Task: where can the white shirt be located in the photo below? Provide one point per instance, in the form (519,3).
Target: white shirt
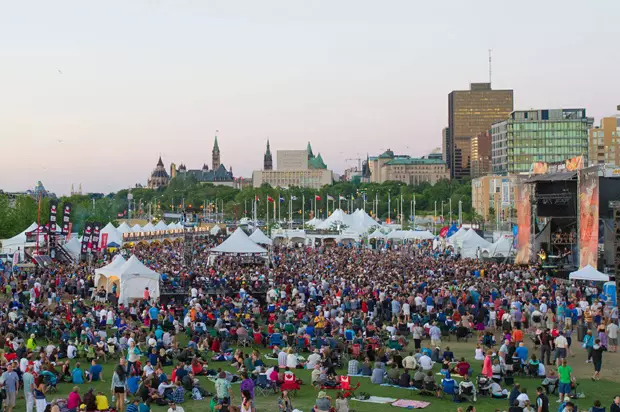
(425,362)
(148,370)
(177,409)
(71,351)
(291,361)
(612,331)
(561,342)
(522,398)
(23,364)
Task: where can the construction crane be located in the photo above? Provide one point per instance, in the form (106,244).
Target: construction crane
(359,161)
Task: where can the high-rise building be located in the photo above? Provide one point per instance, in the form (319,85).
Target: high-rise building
(530,136)
(481,154)
(604,141)
(445,146)
(268,160)
(471,112)
(495,193)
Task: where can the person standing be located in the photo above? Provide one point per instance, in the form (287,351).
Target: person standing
(542,401)
(597,359)
(561,345)
(566,379)
(11,384)
(612,336)
(28,380)
(588,344)
(119,387)
(39,395)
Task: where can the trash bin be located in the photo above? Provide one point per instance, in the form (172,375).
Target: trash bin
(581,332)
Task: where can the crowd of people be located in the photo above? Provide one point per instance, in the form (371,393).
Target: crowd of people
(380,313)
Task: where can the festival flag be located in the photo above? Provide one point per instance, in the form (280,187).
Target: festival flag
(270,199)
(281,199)
(257,198)
(330,197)
(293,197)
(342,197)
(317,197)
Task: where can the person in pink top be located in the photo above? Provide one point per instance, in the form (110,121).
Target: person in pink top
(73,400)
(487,365)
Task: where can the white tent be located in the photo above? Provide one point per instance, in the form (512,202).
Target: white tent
(421,234)
(133,277)
(376,235)
(471,245)
(215,230)
(179,225)
(114,236)
(314,222)
(171,226)
(588,273)
(458,235)
(123,228)
(149,227)
(260,238)
(17,241)
(107,280)
(239,243)
(136,228)
(161,225)
(74,248)
(502,248)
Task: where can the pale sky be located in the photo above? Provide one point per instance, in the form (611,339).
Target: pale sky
(93,92)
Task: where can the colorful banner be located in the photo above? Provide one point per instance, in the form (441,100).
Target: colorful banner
(94,240)
(540,168)
(88,230)
(588,216)
(575,163)
(104,241)
(524,222)
(66,216)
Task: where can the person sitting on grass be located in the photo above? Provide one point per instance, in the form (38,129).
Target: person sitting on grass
(102,402)
(77,374)
(431,385)
(96,372)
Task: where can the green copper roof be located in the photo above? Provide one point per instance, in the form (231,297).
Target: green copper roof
(216,147)
(268,152)
(317,163)
(388,154)
(309,149)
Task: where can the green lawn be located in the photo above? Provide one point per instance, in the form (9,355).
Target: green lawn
(304,400)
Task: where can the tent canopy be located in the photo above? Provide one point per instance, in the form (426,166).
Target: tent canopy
(215,230)
(136,228)
(123,228)
(133,277)
(11,245)
(114,236)
(471,242)
(503,247)
(588,273)
(149,227)
(239,244)
(260,238)
(74,247)
(161,225)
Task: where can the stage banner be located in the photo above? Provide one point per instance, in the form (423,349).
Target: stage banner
(95,237)
(524,222)
(66,216)
(574,163)
(104,241)
(588,216)
(540,168)
(88,230)
(53,217)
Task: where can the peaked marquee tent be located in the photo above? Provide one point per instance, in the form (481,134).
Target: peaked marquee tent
(502,248)
(136,228)
(74,247)
(215,230)
(588,273)
(471,242)
(161,225)
(114,236)
(106,280)
(260,238)
(239,244)
(123,228)
(133,277)
(11,245)
(149,227)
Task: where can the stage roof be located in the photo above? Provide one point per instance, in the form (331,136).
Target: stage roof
(553,177)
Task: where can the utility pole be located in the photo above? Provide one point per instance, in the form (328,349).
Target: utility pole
(460,212)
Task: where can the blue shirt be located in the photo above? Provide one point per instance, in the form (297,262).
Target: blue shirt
(95,372)
(77,376)
(153,312)
(521,352)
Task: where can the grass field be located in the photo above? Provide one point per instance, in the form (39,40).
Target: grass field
(603,390)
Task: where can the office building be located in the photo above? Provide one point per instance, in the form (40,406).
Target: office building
(481,154)
(471,112)
(445,146)
(299,168)
(530,136)
(494,193)
(407,169)
(604,141)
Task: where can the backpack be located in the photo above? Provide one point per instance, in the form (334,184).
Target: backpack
(196,395)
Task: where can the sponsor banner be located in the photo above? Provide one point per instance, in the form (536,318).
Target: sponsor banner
(524,223)
(88,230)
(574,163)
(588,216)
(66,216)
(540,168)
(94,240)
(53,216)
(104,240)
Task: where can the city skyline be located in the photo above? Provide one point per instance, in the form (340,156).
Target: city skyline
(84,103)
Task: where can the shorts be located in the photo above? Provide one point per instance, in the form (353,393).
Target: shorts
(560,353)
(119,389)
(613,341)
(10,399)
(564,388)
(597,366)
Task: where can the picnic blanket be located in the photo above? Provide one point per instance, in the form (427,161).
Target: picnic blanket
(399,387)
(407,403)
(376,399)
(359,376)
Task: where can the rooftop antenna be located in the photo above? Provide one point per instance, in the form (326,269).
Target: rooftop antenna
(490,65)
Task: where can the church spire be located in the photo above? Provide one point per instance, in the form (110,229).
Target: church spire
(160,163)
(268,160)
(215,154)
(309,149)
